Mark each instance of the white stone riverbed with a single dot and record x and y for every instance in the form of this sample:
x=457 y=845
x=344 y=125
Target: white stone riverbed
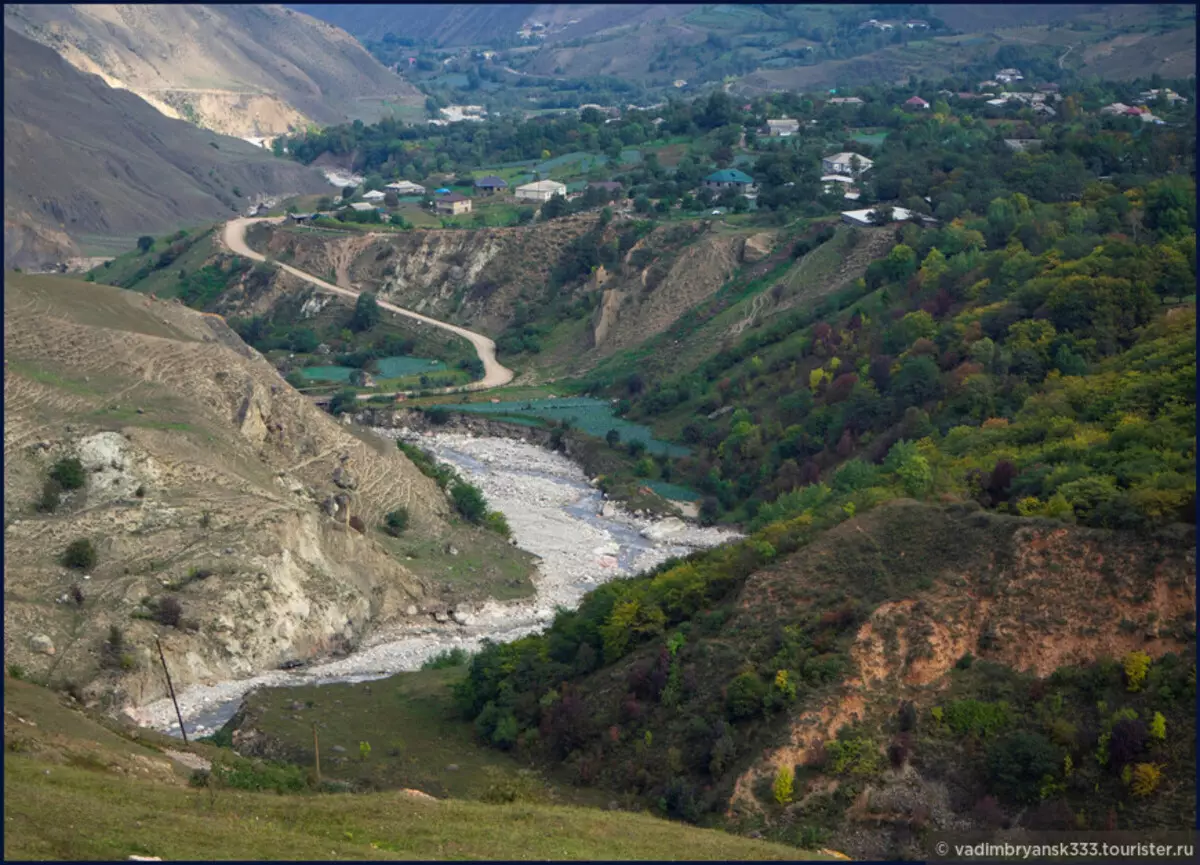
x=581 y=541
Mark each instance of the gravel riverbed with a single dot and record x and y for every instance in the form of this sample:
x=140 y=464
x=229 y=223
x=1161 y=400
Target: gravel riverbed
x=581 y=540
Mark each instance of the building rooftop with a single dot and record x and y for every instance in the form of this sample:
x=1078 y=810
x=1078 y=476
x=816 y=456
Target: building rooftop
x=729 y=175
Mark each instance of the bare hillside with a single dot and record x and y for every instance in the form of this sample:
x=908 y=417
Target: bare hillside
x=207 y=479
x=82 y=159
x=245 y=70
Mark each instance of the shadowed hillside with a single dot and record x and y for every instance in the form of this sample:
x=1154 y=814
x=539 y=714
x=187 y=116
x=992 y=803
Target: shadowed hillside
x=84 y=161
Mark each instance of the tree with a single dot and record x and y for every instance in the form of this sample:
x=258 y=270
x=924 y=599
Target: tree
x=784 y=781
x=343 y=401
x=1017 y=763
x=612 y=437
x=366 y=312
x=396 y=521
x=347 y=192
x=1137 y=664
x=169 y=612
x=68 y=473
x=144 y=243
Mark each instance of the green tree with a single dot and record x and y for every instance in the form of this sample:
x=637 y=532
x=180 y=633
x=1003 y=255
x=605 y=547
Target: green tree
x=1017 y=763
x=784 y=781
x=366 y=312
x=396 y=521
x=345 y=400
x=612 y=437
x=68 y=473
x=144 y=243
x=80 y=554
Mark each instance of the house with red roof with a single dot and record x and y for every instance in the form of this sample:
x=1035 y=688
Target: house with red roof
x=916 y=102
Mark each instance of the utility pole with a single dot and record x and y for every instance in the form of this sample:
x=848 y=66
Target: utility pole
x=317 y=750
x=171 y=689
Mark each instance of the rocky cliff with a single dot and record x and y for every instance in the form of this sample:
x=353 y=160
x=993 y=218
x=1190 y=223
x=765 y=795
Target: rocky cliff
x=206 y=480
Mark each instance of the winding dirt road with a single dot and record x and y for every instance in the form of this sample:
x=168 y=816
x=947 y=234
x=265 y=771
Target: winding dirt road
x=494 y=373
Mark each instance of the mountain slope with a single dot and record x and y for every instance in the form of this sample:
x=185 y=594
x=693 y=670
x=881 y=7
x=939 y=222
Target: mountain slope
x=83 y=159
x=206 y=478
x=245 y=70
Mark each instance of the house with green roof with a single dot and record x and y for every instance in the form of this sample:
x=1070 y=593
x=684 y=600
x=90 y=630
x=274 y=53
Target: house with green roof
x=730 y=178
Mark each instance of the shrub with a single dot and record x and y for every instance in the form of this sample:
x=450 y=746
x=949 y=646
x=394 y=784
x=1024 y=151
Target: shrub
x=1158 y=727
x=343 y=401
x=785 y=780
x=169 y=612
x=80 y=554
x=496 y=522
x=1017 y=763
x=456 y=657
x=396 y=521
x=356 y=523
x=469 y=502
x=744 y=696
x=853 y=756
x=69 y=473
x=51 y=495
x=976 y=718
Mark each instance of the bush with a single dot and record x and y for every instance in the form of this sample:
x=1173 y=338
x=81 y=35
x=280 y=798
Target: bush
x=169 y=612
x=80 y=554
x=69 y=473
x=356 y=523
x=343 y=401
x=455 y=657
x=396 y=521
x=496 y=522
x=469 y=502
x=51 y=496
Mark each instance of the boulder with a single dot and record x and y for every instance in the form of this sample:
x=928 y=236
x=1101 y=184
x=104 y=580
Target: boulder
x=757 y=247
x=42 y=644
x=664 y=529
x=343 y=478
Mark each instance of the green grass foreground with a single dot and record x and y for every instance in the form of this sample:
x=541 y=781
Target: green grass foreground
x=76 y=788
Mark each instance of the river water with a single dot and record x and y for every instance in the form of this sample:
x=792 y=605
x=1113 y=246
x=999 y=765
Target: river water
x=554 y=513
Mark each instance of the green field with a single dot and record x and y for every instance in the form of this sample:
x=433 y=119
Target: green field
x=592 y=416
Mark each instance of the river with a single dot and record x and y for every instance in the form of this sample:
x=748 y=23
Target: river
x=554 y=513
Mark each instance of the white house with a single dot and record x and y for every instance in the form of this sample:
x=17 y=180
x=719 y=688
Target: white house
x=845 y=100
x=362 y=206
x=541 y=190
x=1007 y=76
x=373 y=195
x=863 y=217
x=783 y=127
x=406 y=187
x=834 y=183
x=843 y=163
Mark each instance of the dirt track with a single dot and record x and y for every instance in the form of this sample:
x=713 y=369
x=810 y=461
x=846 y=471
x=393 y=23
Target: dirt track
x=494 y=374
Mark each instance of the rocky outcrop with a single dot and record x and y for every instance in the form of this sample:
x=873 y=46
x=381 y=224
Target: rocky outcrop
x=219 y=486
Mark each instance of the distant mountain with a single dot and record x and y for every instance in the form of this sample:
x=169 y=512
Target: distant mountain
x=247 y=70
x=84 y=161
x=479 y=24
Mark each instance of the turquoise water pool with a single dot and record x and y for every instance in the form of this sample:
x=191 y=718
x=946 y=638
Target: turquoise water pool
x=389 y=367
x=592 y=416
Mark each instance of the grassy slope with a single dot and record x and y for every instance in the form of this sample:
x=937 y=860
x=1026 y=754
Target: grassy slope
x=59 y=806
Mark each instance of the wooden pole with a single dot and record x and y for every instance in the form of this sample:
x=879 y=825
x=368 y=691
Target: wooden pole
x=171 y=689
x=317 y=750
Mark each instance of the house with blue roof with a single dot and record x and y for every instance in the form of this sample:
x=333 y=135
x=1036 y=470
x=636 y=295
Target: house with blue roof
x=730 y=178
